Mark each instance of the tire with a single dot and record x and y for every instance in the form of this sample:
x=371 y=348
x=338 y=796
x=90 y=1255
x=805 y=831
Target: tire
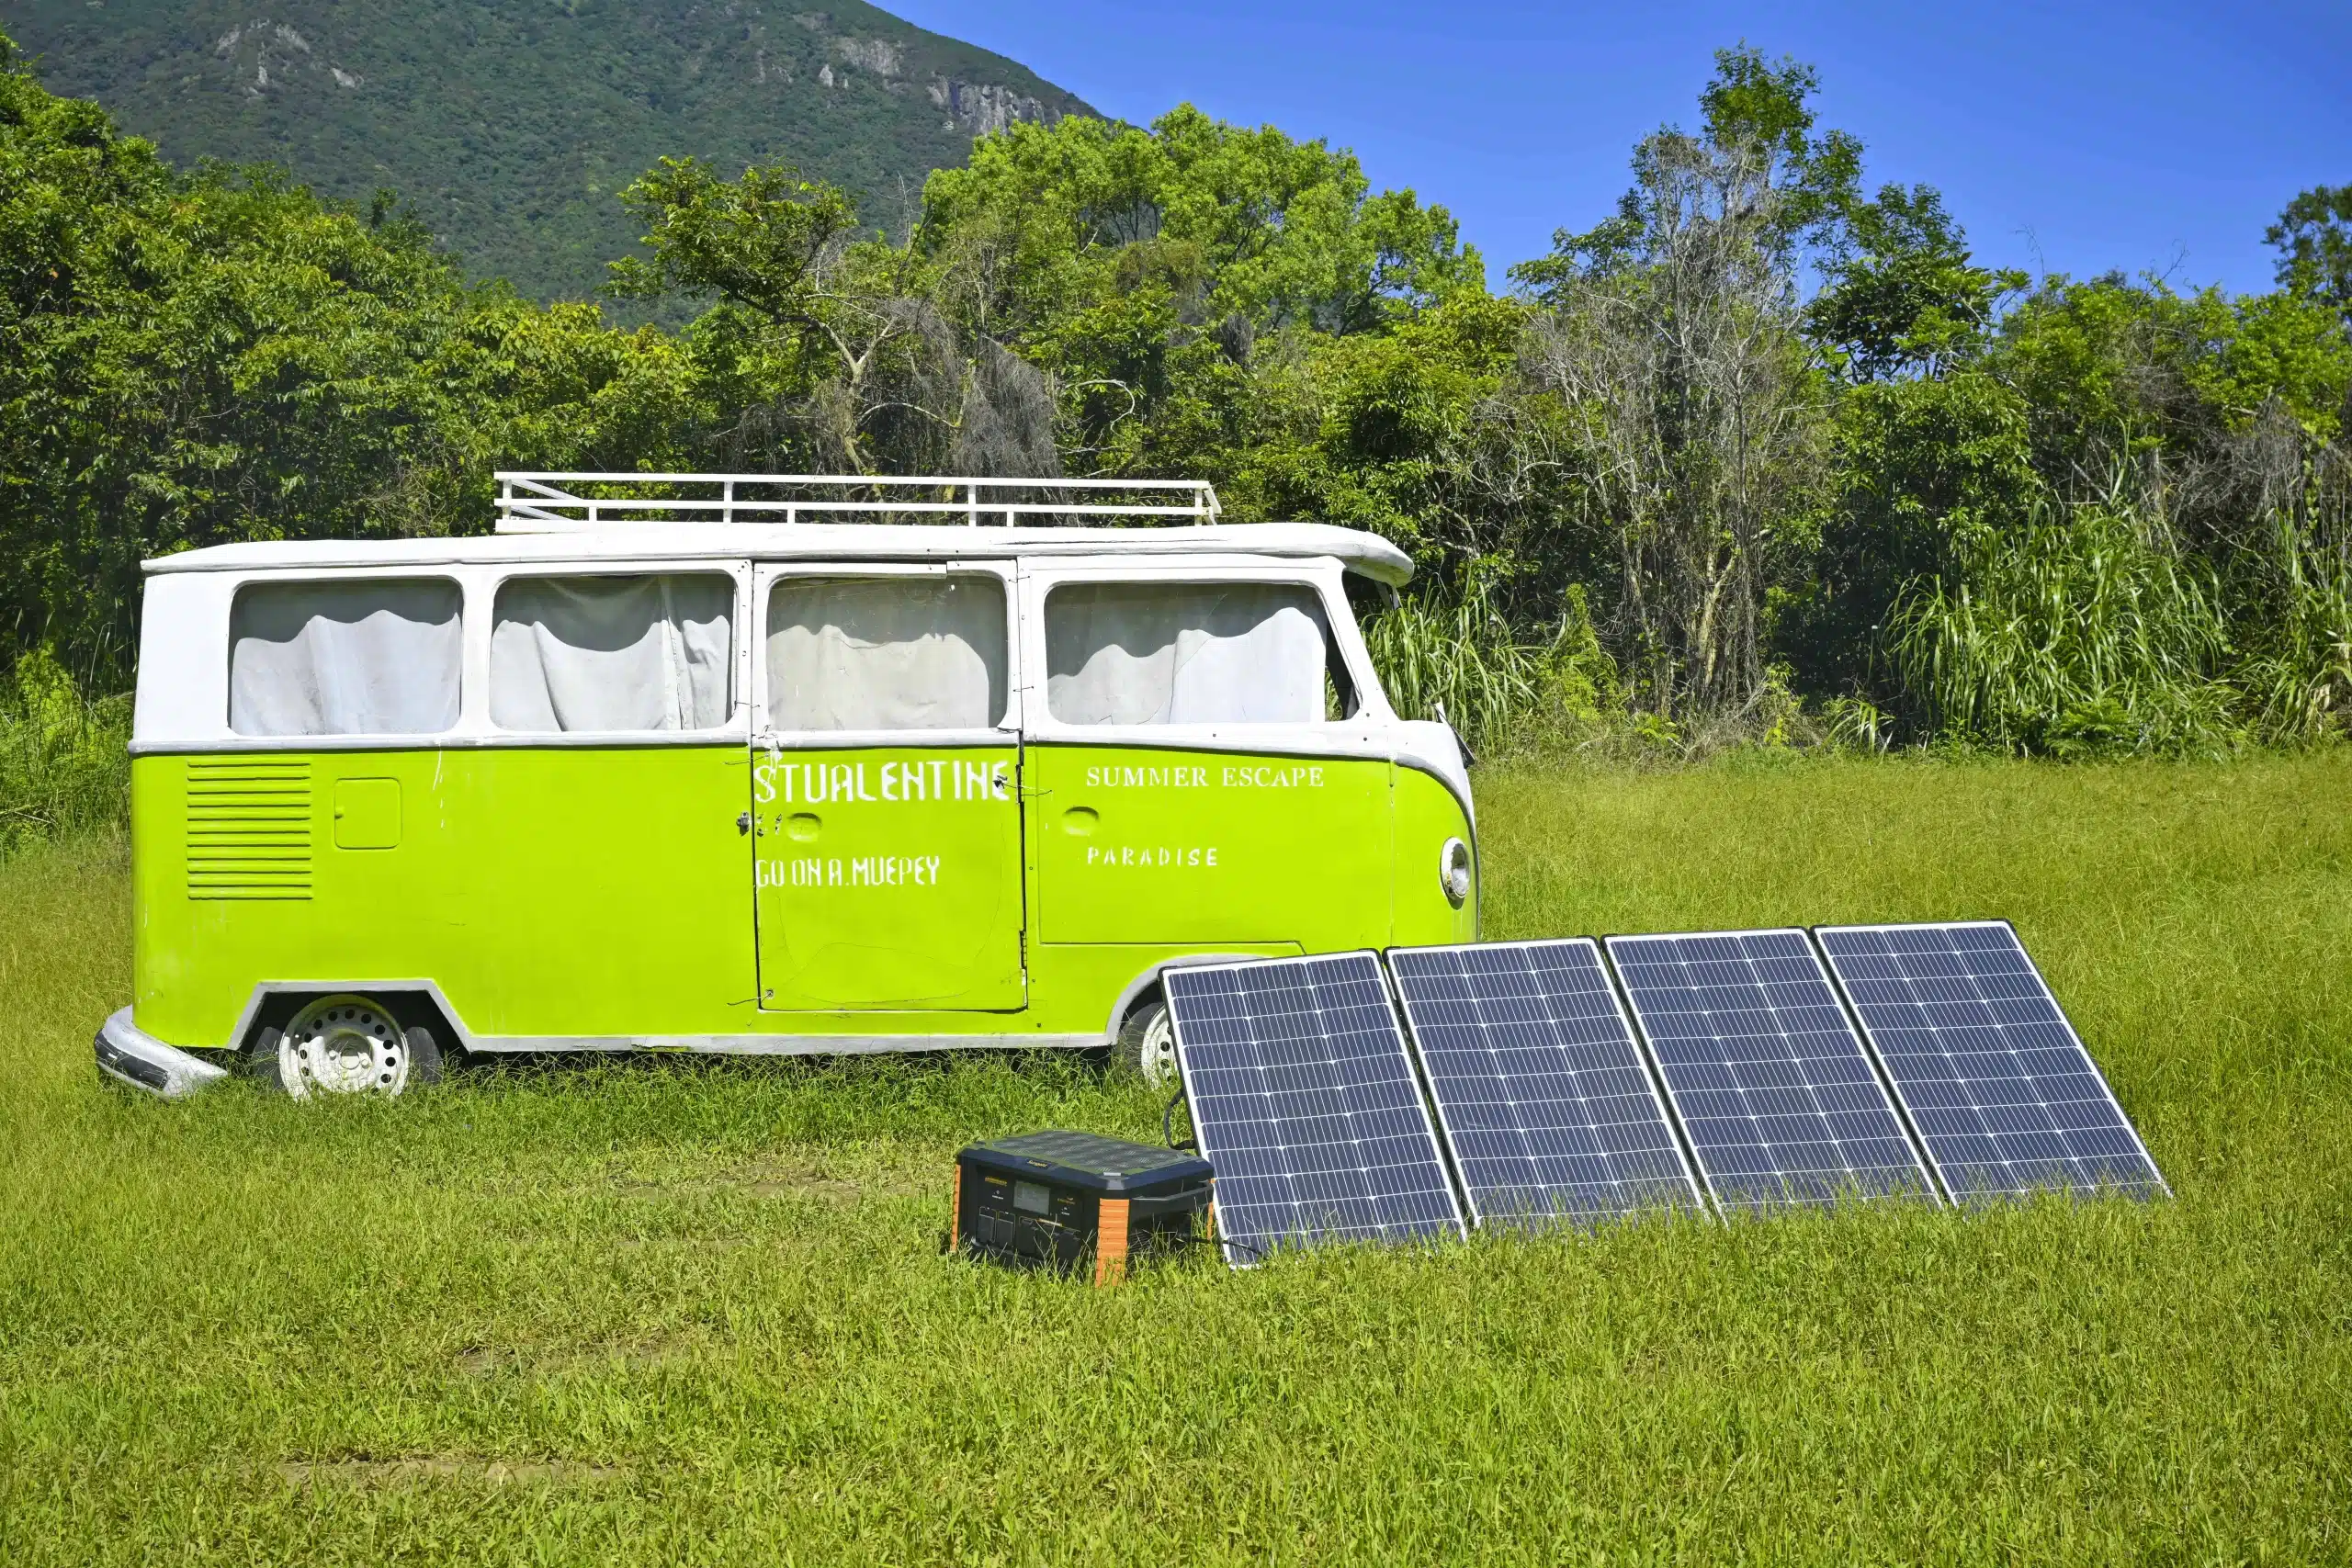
x=345 y=1044
x=1148 y=1043
x=424 y=1062
x=259 y=1061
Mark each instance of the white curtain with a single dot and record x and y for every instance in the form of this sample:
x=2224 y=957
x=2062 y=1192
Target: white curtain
x=1184 y=653
x=354 y=657
x=611 y=654
x=887 y=653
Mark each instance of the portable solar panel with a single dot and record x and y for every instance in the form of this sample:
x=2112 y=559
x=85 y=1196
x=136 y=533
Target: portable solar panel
x=1540 y=1089
x=1771 y=1084
x=1304 y=1100
x=2005 y=1098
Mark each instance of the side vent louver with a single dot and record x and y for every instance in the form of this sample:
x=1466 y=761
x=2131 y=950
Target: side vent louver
x=248 y=827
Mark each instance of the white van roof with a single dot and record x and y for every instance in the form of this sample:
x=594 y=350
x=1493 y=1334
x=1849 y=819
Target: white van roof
x=1367 y=554
x=556 y=517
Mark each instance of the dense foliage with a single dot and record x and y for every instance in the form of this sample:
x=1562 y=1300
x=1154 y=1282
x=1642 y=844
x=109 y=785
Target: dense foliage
x=509 y=124
x=1761 y=450
x=65 y=766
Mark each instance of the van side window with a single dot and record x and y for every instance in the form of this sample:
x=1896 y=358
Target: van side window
x=887 y=653
x=1190 y=653
x=639 y=651
x=364 y=656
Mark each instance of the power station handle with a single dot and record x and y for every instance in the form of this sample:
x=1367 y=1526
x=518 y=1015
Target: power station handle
x=1189 y=1201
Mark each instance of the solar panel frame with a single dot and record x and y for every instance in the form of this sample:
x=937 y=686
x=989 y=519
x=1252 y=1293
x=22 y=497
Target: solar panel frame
x=1942 y=1108
x=1249 y=1172
x=1582 y=1056
x=1705 y=1093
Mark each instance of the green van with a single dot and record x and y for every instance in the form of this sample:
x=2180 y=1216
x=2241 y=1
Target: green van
x=707 y=763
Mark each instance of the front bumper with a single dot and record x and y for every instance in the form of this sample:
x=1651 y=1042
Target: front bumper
x=127 y=1054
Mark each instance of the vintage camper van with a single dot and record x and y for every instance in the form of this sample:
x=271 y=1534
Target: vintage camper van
x=687 y=763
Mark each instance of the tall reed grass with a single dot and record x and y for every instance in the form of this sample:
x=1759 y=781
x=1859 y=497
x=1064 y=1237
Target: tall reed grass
x=1462 y=661
x=65 y=766
x=2084 y=631
x=2299 y=675
x=2094 y=627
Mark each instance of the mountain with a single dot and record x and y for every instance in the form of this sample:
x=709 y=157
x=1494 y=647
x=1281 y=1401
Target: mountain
x=507 y=125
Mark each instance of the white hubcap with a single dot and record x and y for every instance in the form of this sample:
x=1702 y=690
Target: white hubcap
x=1158 y=1055
x=343 y=1046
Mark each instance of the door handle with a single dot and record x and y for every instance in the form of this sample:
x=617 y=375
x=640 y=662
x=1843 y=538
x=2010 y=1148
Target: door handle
x=743 y=823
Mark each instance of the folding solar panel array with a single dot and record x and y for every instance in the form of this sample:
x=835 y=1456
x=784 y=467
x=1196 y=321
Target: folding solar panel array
x=1774 y=1090
x=1721 y=1068
x=1303 y=1099
x=1538 y=1083
x=2005 y=1098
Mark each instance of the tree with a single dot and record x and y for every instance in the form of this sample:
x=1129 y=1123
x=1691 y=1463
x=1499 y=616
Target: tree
x=2313 y=237
x=196 y=358
x=1142 y=270
x=1413 y=433
x=1901 y=294
x=831 y=349
x=1926 y=445
x=1669 y=332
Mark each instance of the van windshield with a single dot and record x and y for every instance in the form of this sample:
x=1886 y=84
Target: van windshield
x=1187 y=653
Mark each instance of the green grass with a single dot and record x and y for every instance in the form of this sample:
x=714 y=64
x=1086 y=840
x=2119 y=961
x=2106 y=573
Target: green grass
x=676 y=1313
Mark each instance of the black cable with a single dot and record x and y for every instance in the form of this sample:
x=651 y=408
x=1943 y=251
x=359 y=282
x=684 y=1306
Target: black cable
x=1257 y=1253
x=1167 y=1126
x=1193 y=1146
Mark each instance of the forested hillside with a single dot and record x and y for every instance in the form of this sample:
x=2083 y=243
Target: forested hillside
x=509 y=126
x=1764 y=453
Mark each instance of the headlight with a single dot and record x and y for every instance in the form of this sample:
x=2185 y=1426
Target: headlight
x=1454 y=872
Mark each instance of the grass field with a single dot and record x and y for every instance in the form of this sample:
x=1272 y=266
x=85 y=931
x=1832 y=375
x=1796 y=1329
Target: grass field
x=666 y=1312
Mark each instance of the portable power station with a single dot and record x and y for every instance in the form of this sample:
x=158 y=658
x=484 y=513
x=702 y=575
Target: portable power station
x=1068 y=1201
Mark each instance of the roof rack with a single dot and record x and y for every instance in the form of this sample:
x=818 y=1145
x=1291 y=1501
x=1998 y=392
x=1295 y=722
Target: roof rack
x=563 y=502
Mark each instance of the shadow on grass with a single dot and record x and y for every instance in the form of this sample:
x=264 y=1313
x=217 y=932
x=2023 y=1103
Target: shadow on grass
x=1055 y=1068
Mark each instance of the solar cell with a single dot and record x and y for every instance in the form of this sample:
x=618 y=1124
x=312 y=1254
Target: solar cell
x=1304 y=1099
x=1540 y=1089
x=1771 y=1084
x=2005 y=1098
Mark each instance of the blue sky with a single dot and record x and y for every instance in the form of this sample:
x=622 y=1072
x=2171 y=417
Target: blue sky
x=2066 y=137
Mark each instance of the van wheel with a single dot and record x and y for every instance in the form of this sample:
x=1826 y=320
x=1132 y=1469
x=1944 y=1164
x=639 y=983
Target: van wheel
x=346 y=1045
x=1147 y=1045
x=259 y=1061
